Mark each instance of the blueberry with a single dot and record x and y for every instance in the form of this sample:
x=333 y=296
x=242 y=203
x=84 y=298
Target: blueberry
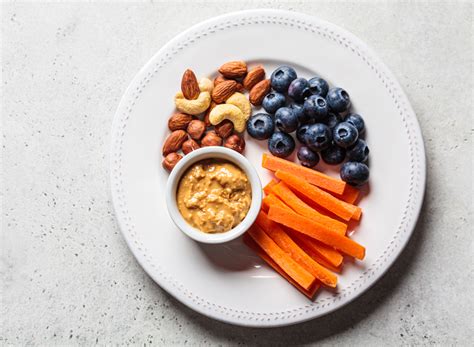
x=300 y=133
x=299 y=112
x=333 y=120
x=338 y=99
x=345 y=134
x=333 y=155
x=316 y=108
x=285 y=120
x=273 y=101
x=318 y=86
x=354 y=173
x=282 y=77
x=307 y=157
x=281 y=145
x=358 y=152
x=318 y=137
x=260 y=126
x=357 y=121
x=299 y=89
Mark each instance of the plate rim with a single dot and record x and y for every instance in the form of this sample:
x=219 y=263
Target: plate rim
x=280 y=318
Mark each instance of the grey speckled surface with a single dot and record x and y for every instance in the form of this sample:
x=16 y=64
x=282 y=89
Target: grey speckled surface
x=67 y=274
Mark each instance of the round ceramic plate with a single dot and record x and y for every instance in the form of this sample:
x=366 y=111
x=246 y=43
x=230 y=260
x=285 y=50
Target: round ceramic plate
x=228 y=282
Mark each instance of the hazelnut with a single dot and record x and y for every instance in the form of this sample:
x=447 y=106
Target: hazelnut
x=196 y=129
x=235 y=142
x=224 y=129
x=170 y=161
x=211 y=139
x=189 y=146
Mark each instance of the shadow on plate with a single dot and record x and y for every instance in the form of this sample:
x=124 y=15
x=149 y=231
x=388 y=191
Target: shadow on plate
x=231 y=256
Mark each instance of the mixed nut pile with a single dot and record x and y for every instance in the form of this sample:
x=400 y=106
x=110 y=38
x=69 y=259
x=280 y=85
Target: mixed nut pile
x=214 y=113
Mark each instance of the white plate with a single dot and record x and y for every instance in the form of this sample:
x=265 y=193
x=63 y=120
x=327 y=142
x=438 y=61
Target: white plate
x=229 y=282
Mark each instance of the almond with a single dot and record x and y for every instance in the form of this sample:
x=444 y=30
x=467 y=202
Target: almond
x=234 y=69
x=219 y=79
x=224 y=129
x=190 y=85
x=223 y=91
x=254 y=76
x=179 y=121
x=258 y=92
x=174 y=141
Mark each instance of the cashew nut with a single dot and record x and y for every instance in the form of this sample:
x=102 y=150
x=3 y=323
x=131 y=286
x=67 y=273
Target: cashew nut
x=241 y=101
x=192 y=107
x=230 y=112
x=206 y=85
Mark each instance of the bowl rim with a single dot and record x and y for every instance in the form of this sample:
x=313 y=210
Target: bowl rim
x=217 y=153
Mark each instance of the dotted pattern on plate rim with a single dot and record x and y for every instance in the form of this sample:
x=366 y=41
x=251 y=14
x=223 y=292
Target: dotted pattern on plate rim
x=399 y=101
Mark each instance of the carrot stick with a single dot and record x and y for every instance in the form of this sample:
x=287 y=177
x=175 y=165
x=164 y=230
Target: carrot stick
x=340 y=208
x=270 y=200
x=312 y=176
x=289 y=246
x=357 y=214
x=282 y=191
x=325 y=254
x=325 y=263
x=292 y=268
x=317 y=257
x=350 y=194
x=256 y=248
x=318 y=208
x=307 y=226
x=268 y=188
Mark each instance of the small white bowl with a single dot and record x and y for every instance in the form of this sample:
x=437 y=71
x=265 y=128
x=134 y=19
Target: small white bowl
x=213 y=153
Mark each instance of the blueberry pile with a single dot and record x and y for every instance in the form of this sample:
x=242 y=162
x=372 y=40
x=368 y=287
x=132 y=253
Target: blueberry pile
x=321 y=118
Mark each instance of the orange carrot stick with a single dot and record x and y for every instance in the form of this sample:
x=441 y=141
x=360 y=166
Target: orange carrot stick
x=312 y=176
x=307 y=226
x=268 y=188
x=340 y=208
x=357 y=214
x=317 y=257
x=325 y=263
x=272 y=199
x=289 y=246
x=256 y=248
x=282 y=191
x=318 y=208
x=292 y=268
x=350 y=194
x=325 y=254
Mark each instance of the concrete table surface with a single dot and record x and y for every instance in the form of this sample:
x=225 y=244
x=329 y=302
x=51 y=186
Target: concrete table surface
x=67 y=275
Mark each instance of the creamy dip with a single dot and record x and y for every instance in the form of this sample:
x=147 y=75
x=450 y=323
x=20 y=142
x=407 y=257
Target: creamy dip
x=214 y=196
